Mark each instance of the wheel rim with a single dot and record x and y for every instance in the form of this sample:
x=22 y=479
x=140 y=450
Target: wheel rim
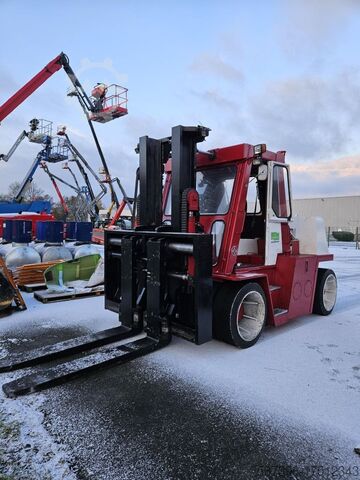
x=250 y=316
x=329 y=292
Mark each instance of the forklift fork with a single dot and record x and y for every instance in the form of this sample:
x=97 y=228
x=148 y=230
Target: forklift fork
x=49 y=377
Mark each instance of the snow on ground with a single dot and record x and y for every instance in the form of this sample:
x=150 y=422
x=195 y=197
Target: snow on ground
x=27 y=451
x=308 y=368
x=304 y=375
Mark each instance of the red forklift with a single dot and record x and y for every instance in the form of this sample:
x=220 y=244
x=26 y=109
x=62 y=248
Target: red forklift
x=206 y=259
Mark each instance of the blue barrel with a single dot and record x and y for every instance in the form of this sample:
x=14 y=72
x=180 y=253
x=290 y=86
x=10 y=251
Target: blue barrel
x=40 y=231
x=83 y=231
x=7 y=231
x=54 y=232
x=70 y=231
x=22 y=231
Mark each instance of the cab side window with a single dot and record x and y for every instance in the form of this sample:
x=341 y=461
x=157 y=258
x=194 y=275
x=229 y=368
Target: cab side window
x=280 y=202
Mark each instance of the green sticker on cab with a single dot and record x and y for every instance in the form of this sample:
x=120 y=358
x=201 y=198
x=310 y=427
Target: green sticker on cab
x=275 y=237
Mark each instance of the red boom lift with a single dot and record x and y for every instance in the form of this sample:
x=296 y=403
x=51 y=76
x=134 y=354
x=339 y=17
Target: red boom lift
x=105 y=103
x=203 y=262
x=113 y=99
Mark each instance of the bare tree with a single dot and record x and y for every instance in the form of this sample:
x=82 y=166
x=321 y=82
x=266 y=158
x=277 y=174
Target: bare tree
x=33 y=192
x=77 y=207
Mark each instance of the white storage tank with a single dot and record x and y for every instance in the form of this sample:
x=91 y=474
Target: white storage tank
x=39 y=247
x=86 y=249
x=21 y=253
x=71 y=247
x=5 y=249
x=56 y=252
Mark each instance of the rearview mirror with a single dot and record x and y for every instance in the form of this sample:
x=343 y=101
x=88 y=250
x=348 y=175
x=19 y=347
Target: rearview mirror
x=262 y=173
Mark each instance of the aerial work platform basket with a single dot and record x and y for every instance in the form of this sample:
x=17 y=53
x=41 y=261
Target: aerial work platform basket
x=59 y=151
x=40 y=131
x=110 y=102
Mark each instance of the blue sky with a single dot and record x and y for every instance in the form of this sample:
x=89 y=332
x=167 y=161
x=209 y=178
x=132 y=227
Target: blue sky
x=284 y=73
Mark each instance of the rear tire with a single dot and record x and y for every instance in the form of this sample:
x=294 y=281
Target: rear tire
x=325 y=293
x=240 y=314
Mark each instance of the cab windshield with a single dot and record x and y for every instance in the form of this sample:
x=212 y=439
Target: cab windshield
x=215 y=187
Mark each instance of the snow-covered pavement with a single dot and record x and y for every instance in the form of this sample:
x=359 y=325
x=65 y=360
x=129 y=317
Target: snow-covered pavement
x=286 y=408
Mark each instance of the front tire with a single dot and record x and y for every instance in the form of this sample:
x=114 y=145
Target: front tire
x=325 y=293
x=240 y=314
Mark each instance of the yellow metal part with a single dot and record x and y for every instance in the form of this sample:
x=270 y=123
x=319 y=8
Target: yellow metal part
x=110 y=208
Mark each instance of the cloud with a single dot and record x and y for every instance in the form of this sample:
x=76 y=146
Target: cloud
x=89 y=72
x=348 y=166
x=313 y=23
x=231 y=41
x=310 y=116
x=212 y=96
x=8 y=84
x=307 y=185
x=340 y=176
x=215 y=65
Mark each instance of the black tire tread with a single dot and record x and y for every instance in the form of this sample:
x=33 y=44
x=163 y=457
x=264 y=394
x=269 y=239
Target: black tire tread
x=318 y=306
x=222 y=308
x=223 y=326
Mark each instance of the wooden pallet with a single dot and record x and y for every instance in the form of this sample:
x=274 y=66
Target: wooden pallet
x=32 y=287
x=32 y=273
x=45 y=296
x=18 y=299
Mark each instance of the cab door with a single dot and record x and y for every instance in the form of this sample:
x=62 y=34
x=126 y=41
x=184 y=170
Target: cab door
x=278 y=208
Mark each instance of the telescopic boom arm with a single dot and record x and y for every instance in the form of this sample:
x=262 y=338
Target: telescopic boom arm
x=12 y=150
x=57 y=189
x=81 y=163
x=21 y=95
x=29 y=177
x=61 y=61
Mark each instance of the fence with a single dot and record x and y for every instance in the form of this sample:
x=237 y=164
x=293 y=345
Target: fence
x=352 y=239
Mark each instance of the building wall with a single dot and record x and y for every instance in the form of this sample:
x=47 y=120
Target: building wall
x=337 y=212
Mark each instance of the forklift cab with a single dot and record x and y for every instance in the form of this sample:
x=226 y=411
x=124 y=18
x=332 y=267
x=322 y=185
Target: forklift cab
x=268 y=211
x=245 y=203
x=214 y=186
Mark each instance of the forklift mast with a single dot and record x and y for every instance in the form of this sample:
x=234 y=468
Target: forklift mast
x=163 y=272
